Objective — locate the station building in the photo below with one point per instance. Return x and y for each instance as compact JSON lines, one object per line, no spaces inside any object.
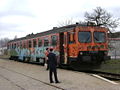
{"x":114,"y":48}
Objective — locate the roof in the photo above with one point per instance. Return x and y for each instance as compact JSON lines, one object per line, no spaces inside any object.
{"x":54,"y":30}
{"x":114,"y":39}
{"x":114,"y":35}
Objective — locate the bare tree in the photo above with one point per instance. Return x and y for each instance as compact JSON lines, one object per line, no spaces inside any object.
{"x":102,"y":18}
{"x":65,"y":23}
{"x":15,"y":37}
{"x":4,"y":41}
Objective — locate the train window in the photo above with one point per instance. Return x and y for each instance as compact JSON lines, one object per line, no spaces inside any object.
{"x":46,"y":42}
{"x":34,"y":43}
{"x":99,"y":37}
{"x":14,"y":46}
{"x":11,"y":46}
{"x":8,"y":47}
{"x":84,"y":37}
{"x":30,"y":43}
{"x":20,"y":44}
{"x":54,"y":39}
{"x":39,"y":43}
{"x":17,"y":44}
{"x":71,"y":37}
{"x":24,"y":44}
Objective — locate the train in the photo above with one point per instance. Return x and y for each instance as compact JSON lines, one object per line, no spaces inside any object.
{"x":72,"y":43}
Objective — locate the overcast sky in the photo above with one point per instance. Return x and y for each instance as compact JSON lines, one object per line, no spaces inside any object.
{"x":22,"y":17}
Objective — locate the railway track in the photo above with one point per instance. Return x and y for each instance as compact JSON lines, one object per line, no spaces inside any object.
{"x":91,"y":69}
{"x":107,"y":75}
{"x":110,"y":76}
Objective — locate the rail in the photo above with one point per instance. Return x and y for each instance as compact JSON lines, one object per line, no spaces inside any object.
{"x":111,"y":76}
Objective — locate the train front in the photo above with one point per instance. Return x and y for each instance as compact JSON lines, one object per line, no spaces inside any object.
{"x":92,"y":44}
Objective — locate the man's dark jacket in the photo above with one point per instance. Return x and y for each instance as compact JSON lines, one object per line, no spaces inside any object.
{"x":52,"y":61}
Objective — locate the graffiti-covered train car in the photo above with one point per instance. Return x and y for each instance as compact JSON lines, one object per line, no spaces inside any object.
{"x":71,"y":43}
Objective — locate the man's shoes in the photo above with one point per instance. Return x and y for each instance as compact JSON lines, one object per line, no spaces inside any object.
{"x":57,"y":82}
{"x":51,"y":82}
{"x":47,"y":68}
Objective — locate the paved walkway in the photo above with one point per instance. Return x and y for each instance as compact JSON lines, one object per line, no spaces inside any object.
{"x":21,"y":76}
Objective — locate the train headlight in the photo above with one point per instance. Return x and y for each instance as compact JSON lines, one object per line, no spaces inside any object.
{"x":106,"y":53}
{"x":81,"y":53}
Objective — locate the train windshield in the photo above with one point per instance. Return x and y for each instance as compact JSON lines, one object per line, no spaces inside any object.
{"x":84,"y":37}
{"x":99,"y":37}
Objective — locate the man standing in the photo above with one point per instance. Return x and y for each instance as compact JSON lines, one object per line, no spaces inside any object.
{"x":52,"y":66}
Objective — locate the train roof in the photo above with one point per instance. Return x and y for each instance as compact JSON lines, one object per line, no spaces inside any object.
{"x":54,"y":30}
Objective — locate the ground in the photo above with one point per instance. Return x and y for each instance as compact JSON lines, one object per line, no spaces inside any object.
{"x":22,"y":76}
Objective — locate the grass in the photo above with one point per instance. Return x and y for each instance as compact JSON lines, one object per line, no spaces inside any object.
{"x":111,"y":66}
{"x":4,"y":56}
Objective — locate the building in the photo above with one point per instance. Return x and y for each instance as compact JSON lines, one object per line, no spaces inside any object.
{"x":114,"y":48}
{"x":2,"y":50}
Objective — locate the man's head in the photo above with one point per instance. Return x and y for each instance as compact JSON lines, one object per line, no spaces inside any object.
{"x":51,"y":49}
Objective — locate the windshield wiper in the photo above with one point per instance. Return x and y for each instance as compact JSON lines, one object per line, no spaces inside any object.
{"x":87,"y":39}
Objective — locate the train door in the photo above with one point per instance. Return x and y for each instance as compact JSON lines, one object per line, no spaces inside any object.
{"x":63,"y":48}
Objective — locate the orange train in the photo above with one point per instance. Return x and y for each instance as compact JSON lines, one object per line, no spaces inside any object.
{"x":72,"y":43}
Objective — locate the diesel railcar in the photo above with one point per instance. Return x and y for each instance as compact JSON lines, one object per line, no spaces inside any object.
{"x":72,"y":43}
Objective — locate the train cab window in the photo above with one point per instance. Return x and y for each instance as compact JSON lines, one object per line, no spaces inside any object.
{"x":71,"y":37}
{"x":39,"y":42}
{"x":46,"y":42}
{"x":34,"y":43}
{"x":30,"y":43}
{"x":84,"y":37}
{"x":54,"y":39}
{"x":99,"y":37}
